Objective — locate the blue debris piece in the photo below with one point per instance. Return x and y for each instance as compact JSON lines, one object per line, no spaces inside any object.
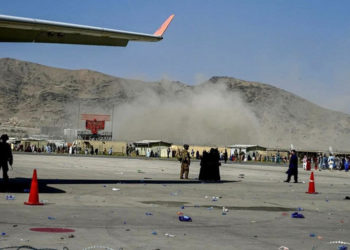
{"x":185,"y":218}
{"x":10,"y":197}
{"x":297,"y":215}
{"x":148,"y":213}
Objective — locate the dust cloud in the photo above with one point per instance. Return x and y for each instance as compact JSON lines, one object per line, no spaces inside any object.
{"x":206,"y":114}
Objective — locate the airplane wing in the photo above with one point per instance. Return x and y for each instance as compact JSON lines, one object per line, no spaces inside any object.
{"x":19,"y":29}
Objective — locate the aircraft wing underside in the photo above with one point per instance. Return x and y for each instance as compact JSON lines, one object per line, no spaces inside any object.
{"x":18,"y":29}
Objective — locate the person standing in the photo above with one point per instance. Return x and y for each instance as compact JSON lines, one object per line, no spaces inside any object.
{"x":5,"y":156}
{"x":293,"y":167}
{"x":331,"y":162}
{"x":315,"y":160}
{"x":225,"y":156}
{"x":308,"y":164}
{"x":304,"y":162}
{"x":185,"y":160}
{"x":346,"y":164}
{"x":168,"y":152}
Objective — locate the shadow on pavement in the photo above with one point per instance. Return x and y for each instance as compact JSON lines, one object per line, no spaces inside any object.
{"x":22,"y":185}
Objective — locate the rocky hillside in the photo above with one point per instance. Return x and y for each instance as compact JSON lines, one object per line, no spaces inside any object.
{"x":221,"y":111}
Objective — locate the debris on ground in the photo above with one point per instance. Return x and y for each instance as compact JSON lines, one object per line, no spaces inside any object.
{"x":10,"y":197}
{"x":185,"y":218}
{"x":215,"y":198}
{"x":170,"y":235}
{"x":339,"y":242}
{"x":297,"y":215}
{"x":98,"y":247}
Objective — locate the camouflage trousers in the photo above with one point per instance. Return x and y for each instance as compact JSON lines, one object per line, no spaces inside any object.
{"x":185,"y":169}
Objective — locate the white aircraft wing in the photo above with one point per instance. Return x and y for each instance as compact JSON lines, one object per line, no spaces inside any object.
{"x":19,"y":29}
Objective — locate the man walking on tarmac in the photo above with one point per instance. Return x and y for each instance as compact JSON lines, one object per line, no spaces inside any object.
{"x":185,"y":160}
{"x":293,"y":167}
{"x":5,"y":156}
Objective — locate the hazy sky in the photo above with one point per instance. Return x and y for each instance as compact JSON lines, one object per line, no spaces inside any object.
{"x":302,"y":46}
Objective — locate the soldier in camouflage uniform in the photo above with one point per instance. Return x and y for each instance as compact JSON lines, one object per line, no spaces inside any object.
{"x":185,"y":159}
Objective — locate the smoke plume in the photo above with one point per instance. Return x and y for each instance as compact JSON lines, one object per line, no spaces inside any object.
{"x":204,"y":114}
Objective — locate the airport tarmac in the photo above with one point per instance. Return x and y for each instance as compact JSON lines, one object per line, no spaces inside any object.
{"x":115,"y":203}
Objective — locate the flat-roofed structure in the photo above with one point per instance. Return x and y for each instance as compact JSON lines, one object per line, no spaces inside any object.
{"x":146,"y":147}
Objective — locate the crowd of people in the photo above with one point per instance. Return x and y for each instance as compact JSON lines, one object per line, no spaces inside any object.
{"x":319,"y":161}
{"x":322,"y":161}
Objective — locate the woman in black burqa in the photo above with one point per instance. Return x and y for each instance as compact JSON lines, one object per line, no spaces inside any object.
{"x":210,"y":164}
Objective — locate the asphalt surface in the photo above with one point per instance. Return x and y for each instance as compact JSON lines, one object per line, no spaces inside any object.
{"x":141,"y":211}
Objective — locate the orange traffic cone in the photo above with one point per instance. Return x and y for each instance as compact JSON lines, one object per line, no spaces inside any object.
{"x":312,"y":185}
{"x":34,"y":192}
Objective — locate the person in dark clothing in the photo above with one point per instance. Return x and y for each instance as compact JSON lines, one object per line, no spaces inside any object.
{"x":225,"y":156}
{"x":293,"y":167}
{"x":204,"y":170}
{"x":210,"y":163}
{"x":5,"y":156}
{"x":168,"y":152}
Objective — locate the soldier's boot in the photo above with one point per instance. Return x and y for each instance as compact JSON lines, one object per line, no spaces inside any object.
{"x":181,"y":173}
{"x":186,"y":174}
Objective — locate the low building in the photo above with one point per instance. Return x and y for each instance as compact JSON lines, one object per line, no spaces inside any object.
{"x":149,"y":148}
{"x":241,"y":148}
{"x":28,"y":142}
{"x":118,"y":147}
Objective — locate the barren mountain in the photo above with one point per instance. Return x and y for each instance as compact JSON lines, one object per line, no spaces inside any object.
{"x":221,"y":111}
